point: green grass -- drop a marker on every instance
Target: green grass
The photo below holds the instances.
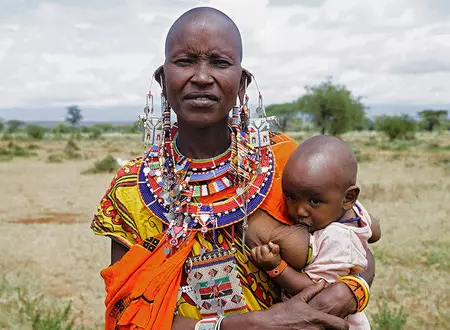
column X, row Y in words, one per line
column 20, row 309
column 389, row 318
column 13, row 150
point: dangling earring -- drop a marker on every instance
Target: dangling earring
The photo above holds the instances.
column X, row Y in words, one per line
column 259, row 127
column 152, row 125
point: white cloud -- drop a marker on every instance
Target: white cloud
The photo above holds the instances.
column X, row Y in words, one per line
column 102, row 54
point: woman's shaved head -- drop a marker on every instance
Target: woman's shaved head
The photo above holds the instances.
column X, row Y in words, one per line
column 205, row 18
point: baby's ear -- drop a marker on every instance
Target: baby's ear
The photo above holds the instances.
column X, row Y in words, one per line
column 351, row 195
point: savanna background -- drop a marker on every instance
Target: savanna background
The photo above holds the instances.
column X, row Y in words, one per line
column 72, row 79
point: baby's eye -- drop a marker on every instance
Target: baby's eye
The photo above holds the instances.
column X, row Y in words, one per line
column 289, row 198
column 314, row 202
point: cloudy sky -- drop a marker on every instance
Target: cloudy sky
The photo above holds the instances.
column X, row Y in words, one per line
column 100, row 54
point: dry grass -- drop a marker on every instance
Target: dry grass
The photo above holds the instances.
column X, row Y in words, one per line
column 47, row 246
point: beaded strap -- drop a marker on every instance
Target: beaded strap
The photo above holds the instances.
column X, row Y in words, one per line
column 277, row 270
column 359, row 288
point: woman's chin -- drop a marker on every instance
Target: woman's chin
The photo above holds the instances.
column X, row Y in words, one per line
column 201, row 120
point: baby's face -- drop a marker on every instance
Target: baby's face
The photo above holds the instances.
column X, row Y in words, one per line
column 313, row 199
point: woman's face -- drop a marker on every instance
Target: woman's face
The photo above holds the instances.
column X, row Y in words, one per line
column 202, row 73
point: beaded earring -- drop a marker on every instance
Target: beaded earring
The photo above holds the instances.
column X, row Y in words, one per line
column 152, row 125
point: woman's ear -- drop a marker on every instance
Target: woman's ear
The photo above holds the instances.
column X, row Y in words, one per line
column 351, row 195
column 160, row 77
column 246, row 79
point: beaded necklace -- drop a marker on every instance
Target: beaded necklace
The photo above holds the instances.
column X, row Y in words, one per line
column 171, row 184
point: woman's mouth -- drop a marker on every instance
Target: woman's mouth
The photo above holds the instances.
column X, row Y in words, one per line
column 201, row 99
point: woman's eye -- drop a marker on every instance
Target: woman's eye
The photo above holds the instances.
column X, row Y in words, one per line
column 314, row 202
column 183, row 61
column 221, row 63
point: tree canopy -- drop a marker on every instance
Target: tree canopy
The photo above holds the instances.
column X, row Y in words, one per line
column 432, row 119
column 285, row 113
column 332, row 107
column 74, row 115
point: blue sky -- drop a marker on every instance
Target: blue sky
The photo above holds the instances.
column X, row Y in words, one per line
column 100, row 54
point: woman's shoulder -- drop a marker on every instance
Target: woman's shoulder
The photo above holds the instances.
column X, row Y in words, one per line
column 129, row 170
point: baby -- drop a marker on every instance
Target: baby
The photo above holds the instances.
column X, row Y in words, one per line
column 319, row 184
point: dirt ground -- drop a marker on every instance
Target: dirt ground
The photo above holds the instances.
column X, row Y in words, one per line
column 46, row 244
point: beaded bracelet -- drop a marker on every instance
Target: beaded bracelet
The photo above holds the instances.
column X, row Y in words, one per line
column 207, row 324
column 359, row 288
column 278, row 269
column 212, row 323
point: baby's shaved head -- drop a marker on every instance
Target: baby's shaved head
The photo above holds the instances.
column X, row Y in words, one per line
column 325, row 157
column 205, row 17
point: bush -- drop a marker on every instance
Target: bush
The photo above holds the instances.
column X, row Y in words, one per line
column 71, row 150
column 396, row 127
column 35, row 132
column 12, row 150
column 61, row 129
column 387, row 319
column 95, row 132
column 106, row 165
column 55, row 158
column 21, row 310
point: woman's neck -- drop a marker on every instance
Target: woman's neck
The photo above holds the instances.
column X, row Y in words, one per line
column 202, row 143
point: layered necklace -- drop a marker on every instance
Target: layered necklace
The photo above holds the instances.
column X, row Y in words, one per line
column 173, row 185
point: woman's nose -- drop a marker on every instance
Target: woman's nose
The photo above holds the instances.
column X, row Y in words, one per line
column 202, row 75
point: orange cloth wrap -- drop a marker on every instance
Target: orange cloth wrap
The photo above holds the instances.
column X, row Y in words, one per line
column 142, row 288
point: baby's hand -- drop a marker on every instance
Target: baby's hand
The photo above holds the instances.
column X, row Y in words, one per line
column 266, row 257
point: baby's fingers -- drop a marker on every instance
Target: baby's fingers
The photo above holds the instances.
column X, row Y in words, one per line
column 274, row 248
column 265, row 251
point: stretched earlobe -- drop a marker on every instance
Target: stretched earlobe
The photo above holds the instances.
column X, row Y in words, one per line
column 246, row 79
column 160, row 77
column 351, row 196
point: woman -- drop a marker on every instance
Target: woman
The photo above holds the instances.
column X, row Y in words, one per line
column 177, row 217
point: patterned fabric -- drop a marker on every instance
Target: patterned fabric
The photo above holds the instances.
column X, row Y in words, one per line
column 123, row 216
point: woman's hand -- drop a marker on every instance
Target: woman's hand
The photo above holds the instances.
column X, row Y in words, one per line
column 290, row 315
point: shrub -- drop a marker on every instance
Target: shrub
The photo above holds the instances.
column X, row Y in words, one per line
column 387, row 319
column 55, row 158
column 108, row 164
column 35, row 132
column 71, row 150
column 95, row 132
column 21, row 310
column 61, row 129
column 13, row 150
column 396, row 127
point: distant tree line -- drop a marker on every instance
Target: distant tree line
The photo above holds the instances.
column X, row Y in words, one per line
column 72, row 127
column 327, row 107
column 333, row 109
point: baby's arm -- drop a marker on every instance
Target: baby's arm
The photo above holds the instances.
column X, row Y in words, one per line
column 376, row 229
column 267, row 257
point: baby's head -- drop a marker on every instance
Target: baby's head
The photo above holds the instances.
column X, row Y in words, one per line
column 319, row 181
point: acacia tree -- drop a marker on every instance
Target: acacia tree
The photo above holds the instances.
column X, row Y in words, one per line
column 74, row 116
column 285, row 113
column 432, row 119
column 332, row 107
